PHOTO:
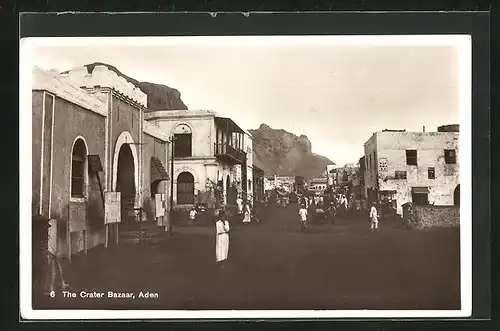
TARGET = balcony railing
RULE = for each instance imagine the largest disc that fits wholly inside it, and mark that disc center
(228, 153)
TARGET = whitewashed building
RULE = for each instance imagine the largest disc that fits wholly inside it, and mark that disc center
(418, 167)
(209, 156)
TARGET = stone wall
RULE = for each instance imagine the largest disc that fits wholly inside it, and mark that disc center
(425, 217)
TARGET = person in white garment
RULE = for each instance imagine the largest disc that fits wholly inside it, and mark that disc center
(239, 203)
(192, 215)
(222, 238)
(374, 217)
(248, 213)
(303, 217)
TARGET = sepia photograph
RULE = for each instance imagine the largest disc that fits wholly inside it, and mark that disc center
(248, 176)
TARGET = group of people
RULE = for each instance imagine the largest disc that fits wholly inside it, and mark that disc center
(244, 210)
(337, 206)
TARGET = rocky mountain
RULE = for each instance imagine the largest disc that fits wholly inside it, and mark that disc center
(285, 154)
(159, 96)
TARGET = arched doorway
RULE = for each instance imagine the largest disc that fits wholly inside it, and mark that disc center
(125, 184)
(456, 196)
(185, 188)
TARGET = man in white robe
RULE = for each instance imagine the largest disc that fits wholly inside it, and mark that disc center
(239, 202)
(374, 218)
(248, 214)
(222, 239)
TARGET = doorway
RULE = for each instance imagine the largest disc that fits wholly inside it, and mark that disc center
(420, 199)
(185, 189)
(125, 184)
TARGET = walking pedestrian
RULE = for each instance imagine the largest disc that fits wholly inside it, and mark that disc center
(239, 203)
(303, 218)
(332, 212)
(222, 238)
(374, 217)
(192, 215)
(248, 213)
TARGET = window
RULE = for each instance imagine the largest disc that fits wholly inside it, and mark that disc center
(411, 157)
(450, 156)
(78, 169)
(400, 175)
(431, 173)
(182, 142)
(182, 145)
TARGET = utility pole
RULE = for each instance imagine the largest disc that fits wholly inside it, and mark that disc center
(171, 212)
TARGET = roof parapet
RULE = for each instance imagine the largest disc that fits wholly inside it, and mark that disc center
(102, 76)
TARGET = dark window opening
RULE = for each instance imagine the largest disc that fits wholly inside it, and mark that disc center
(400, 174)
(185, 188)
(182, 145)
(431, 174)
(411, 157)
(456, 196)
(78, 169)
(420, 199)
(154, 187)
(450, 156)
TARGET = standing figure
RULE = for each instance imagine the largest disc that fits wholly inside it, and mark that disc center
(222, 238)
(248, 213)
(239, 203)
(192, 215)
(374, 217)
(332, 212)
(303, 218)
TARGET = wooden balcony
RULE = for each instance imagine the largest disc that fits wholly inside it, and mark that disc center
(229, 154)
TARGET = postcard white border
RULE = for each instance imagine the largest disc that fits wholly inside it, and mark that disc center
(464, 47)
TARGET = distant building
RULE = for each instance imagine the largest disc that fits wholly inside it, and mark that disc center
(258, 183)
(285, 183)
(269, 183)
(299, 184)
(361, 175)
(418, 167)
(318, 185)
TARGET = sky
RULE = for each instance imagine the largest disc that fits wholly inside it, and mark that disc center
(337, 95)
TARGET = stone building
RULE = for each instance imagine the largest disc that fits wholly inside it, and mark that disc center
(90, 138)
(258, 183)
(418, 167)
(269, 183)
(286, 183)
(210, 162)
(247, 181)
(318, 185)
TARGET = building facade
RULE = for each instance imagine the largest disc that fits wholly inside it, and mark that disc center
(210, 162)
(318, 185)
(269, 183)
(418, 167)
(247, 183)
(258, 183)
(286, 183)
(89, 138)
